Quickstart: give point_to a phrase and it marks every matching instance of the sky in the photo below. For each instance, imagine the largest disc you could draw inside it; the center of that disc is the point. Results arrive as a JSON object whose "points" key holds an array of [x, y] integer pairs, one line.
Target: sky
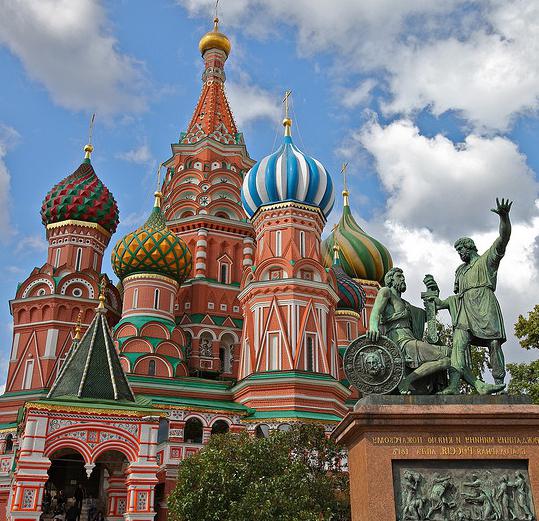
{"points": [[434, 105]]}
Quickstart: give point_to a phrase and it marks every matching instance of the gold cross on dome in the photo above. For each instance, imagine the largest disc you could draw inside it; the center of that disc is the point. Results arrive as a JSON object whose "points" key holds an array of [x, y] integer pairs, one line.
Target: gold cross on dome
{"points": [[343, 172], [91, 129], [216, 8], [287, 94]]}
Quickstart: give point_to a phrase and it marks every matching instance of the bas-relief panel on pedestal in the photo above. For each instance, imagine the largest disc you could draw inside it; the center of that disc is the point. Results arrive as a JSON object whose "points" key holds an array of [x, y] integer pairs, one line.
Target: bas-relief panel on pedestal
{"points": [[463, 490]]}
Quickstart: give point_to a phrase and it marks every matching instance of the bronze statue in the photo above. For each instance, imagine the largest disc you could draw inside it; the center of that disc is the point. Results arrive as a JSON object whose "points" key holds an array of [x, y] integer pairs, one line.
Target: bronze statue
{"points": [[474, 309]]}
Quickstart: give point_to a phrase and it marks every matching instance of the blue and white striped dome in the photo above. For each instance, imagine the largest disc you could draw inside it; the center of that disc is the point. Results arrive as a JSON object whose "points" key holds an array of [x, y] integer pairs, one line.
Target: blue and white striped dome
{"points": [[287, 175]]}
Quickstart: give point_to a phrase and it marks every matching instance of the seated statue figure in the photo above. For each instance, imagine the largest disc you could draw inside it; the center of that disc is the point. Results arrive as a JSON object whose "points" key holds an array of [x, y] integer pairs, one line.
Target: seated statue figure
{"points": [[404, 324]]}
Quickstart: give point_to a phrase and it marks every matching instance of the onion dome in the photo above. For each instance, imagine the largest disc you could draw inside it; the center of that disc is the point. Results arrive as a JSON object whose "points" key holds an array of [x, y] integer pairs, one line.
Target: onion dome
{"points": [[214, 40], [81, 196], [361, 256], [287, 175], [352, 295], [152, 248]]}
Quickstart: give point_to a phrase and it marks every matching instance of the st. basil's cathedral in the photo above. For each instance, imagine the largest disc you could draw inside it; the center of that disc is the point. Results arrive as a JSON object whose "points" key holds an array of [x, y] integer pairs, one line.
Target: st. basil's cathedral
{"points": [[230, 314]]}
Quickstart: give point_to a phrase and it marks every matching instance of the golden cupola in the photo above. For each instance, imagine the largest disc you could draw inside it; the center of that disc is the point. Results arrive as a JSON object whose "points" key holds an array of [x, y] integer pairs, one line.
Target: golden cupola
{"points": [[215, 39]]}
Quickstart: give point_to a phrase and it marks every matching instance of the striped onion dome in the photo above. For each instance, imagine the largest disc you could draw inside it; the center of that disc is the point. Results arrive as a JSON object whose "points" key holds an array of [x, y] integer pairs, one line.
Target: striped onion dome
{"points": [[351, 293], [287, 175], [361, 256], [81, 196], [152, 248]]}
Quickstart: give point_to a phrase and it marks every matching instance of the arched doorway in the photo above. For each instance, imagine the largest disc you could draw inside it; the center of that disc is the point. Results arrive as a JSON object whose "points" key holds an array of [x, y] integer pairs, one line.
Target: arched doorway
{"points": [[220, 427]]}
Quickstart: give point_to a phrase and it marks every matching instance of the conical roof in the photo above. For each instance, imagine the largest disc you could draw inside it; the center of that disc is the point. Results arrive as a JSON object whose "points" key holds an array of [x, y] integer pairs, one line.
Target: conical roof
{"points": [[93, 369]]}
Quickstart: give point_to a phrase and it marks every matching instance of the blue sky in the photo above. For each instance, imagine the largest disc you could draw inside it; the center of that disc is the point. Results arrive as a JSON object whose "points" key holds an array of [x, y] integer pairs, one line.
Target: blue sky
{"points": [[433, 104]]}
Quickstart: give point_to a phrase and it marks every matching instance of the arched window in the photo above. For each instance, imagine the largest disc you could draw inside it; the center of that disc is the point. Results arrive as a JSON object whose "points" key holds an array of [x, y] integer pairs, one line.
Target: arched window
{"points": [[262, 431], [151, 368], [278, 243], [193, 431], [9, 444], [78, 259], [135, 298], [162, 432], [219, 427], [156, 299], [223, 274], [302, 244]]}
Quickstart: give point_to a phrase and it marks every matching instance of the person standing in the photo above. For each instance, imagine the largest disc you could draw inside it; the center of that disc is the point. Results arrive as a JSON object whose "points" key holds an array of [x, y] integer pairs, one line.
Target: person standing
{"points": [[79, 496]]}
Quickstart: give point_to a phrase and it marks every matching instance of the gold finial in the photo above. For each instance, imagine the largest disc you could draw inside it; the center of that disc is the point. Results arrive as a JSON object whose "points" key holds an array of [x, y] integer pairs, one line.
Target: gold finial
{"points": [[78, 327], [102, 290], [287, 122], [336, 251], [345, 192], [158, 194], [89, 148], [216, 17]]}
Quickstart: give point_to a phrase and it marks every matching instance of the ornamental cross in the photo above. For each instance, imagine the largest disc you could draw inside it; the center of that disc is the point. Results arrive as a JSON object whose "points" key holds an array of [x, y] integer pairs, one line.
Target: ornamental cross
{"points": [[216, 8], [159, 175], [285, 101], [343, 172], [91, 129]]}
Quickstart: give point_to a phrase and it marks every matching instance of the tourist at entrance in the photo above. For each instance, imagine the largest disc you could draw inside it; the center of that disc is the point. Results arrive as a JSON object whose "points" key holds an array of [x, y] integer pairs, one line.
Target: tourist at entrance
{"points": [[79, 496], [72, 513], [61, 501]]}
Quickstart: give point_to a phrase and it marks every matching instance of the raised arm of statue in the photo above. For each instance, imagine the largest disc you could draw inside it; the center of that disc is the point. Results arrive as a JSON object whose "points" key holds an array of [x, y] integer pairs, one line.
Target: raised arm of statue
{"points": [[379, 305], [503, 208]]}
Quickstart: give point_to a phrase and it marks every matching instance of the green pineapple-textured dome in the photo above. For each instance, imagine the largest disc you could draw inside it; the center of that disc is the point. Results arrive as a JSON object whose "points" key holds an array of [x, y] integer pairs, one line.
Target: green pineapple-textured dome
{"points": [[361, 256], [81, 196], [152, 248]]}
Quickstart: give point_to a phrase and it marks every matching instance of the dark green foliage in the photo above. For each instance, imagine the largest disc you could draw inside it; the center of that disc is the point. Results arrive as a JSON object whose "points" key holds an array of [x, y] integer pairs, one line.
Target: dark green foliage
{"points": [[525, 376], [527, 329], [290, 476]]}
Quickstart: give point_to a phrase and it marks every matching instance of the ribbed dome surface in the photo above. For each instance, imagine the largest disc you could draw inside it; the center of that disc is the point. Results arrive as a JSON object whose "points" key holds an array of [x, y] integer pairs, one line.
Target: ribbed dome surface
{"points": [[361, 256], [352, 295], [83, 197], [287, 175], [152, 248]]}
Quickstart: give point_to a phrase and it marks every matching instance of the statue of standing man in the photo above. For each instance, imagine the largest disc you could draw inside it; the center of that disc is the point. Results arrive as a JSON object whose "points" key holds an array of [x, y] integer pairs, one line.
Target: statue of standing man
{"points": [[474, 309]]}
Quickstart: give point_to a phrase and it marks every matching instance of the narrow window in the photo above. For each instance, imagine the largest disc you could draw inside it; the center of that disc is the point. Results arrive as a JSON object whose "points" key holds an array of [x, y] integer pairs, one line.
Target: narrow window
{"points": [[172, 302], [28, 374], [156, 299], [310, 354], [278, 245], [9, 444], [57, 257], [78, 259], [95, 261], [274, 352], [348, 331], [224, 273], [302, 244], [135, 298], [151, 368]]}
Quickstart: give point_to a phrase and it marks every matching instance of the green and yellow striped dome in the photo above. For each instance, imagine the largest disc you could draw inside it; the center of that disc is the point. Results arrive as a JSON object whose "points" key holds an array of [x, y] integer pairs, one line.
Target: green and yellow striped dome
{"points": [[361, 256], [152, 248]]}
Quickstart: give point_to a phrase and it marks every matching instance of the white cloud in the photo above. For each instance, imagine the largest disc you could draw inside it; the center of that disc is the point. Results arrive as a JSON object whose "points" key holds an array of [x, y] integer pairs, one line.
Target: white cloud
{"points": [[478, 59], [447, 187], [31, 243], [250, 102], [8, 138], [356, 96], [67, 46], [141, 155]]}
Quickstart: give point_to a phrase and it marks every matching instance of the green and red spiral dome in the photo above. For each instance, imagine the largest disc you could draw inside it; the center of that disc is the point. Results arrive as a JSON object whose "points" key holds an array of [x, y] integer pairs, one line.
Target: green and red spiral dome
{"points": [[81, 197]]}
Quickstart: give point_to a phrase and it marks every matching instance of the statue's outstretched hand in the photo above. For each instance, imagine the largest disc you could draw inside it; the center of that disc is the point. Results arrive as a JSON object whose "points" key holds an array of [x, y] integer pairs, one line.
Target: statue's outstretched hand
{"points": [[373, 334], [503, 207], [430, 283]]}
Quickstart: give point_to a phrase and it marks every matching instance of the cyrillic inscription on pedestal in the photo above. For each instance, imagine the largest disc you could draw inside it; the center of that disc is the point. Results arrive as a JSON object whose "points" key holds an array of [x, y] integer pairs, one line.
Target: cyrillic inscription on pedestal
{"points": [[462, 490]]}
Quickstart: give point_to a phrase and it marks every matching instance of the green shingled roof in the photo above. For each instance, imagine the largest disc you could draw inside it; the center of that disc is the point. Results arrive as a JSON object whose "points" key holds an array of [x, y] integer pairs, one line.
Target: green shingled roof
{"points": [[92, 368]]}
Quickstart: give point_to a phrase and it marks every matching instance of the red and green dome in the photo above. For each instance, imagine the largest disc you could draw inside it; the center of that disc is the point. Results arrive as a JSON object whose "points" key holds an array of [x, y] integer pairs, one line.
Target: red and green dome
{"points": [[81, 197], [152, 248]]}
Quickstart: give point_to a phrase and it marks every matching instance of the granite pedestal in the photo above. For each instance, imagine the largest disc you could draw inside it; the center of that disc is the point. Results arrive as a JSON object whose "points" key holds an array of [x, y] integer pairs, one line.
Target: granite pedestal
{"points": [[442, 457]]}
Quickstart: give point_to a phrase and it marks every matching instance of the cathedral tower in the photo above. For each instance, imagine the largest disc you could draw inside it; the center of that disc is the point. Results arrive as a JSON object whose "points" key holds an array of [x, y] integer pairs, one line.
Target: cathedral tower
{"points": [[289, 359], [202, 205]]}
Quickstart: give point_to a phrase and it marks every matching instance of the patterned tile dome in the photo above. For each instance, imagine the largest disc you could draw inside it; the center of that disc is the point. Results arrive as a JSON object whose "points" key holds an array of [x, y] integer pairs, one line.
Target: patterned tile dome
{"points": [[152, 248], [352, 295], [287, 175], [82, 197], [361, 256]]}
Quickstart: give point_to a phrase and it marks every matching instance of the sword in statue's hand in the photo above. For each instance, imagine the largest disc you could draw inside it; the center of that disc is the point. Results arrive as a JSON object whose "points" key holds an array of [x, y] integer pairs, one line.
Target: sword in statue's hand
{"points": [[430, 308]]}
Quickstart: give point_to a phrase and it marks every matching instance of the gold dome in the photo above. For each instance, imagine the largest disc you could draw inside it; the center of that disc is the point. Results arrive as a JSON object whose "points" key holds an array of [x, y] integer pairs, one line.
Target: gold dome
{"points": [[215, 40]]}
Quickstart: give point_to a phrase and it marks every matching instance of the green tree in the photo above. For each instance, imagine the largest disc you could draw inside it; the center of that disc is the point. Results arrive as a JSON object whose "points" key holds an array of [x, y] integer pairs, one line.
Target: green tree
{"points": [[525, 376], [290, 476]]}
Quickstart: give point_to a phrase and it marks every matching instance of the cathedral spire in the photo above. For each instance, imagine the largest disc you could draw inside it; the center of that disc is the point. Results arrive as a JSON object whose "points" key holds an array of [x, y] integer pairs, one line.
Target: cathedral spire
{"points": [[212, 116]]}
